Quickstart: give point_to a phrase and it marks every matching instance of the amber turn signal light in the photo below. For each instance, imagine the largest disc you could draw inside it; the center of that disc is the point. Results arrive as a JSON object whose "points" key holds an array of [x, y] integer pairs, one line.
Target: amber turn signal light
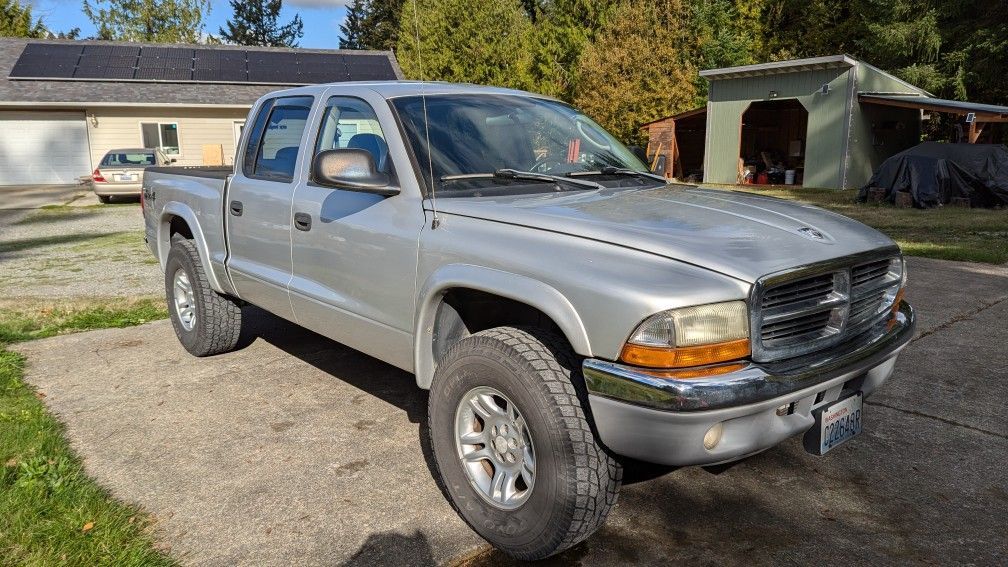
{"points": [[683, 357]]}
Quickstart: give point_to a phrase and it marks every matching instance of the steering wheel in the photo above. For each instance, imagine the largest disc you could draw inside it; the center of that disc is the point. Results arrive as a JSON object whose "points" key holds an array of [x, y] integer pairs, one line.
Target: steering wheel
{"points": [[546, 164]]}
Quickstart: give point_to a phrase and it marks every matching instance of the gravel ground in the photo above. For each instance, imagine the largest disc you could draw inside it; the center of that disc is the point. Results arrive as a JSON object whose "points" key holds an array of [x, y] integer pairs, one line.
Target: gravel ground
{"points": [[77, 252]]}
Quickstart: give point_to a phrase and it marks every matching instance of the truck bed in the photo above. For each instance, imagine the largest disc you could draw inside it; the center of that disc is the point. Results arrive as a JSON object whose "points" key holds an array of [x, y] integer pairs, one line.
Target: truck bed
{"points": [[207, 171]]}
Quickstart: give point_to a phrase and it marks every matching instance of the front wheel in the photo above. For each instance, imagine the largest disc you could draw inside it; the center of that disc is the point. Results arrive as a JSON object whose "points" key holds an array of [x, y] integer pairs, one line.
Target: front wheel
{"points": [[513, 445]]}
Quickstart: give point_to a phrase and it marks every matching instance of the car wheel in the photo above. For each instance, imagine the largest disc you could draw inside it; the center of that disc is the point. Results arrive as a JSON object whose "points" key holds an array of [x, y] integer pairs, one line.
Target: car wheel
{"points": [[515, 451], [205, 321], [105, 199]]}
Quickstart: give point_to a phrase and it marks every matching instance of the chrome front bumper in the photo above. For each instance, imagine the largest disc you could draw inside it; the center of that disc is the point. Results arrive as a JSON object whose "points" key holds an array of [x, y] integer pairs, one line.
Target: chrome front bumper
{"points": [[663, 420]]}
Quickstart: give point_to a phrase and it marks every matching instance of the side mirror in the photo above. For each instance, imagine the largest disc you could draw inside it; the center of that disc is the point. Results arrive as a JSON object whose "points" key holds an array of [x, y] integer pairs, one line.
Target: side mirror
{"points": [[352, 169]]}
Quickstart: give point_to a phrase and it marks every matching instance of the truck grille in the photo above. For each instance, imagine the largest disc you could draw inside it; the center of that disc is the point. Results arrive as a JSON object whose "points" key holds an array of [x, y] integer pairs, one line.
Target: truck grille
{"points": [[803, 311]]}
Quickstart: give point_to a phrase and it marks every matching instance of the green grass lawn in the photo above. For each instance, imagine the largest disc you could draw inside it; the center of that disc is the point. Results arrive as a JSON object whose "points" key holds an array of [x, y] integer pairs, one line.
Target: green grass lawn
{"points": [[51, 513], [946, 233]]}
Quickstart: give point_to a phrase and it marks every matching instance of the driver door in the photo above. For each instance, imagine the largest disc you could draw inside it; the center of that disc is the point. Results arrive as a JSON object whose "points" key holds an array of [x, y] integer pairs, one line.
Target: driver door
{"points": [[354, 253]]}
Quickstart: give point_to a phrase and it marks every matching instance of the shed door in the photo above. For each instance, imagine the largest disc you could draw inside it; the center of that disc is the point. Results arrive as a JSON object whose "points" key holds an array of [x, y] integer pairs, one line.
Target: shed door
{"points": [[43, 147]]}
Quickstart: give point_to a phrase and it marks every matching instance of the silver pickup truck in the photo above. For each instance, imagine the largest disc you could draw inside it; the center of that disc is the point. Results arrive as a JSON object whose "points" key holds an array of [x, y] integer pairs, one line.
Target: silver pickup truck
{"points": [[566, 309]]}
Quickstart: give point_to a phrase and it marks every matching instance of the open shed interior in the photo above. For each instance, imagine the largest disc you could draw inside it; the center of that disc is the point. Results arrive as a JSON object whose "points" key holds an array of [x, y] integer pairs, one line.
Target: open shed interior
{"points": [[691, 132], [774, 133]]}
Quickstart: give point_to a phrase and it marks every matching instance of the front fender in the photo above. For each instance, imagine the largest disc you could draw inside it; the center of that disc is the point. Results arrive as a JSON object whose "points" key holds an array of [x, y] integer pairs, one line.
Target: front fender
{"points": [[512, 286], [183, 211]]}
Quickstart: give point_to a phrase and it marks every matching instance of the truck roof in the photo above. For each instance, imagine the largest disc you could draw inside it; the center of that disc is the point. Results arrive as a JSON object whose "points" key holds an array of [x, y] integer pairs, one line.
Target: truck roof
{"points": [[394, 89]]}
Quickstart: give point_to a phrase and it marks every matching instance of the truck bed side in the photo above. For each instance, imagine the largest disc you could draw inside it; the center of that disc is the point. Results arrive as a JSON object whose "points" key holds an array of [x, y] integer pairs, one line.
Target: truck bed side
{"points": [[188, 201]]}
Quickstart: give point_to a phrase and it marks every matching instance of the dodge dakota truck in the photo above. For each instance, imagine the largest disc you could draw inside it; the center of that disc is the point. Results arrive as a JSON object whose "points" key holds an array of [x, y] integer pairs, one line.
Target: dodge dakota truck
{"points": [[566, 309]]}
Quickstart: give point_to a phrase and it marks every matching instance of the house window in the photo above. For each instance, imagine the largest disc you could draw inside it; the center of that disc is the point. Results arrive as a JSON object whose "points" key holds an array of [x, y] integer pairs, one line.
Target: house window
{"points": [[163, 135]]}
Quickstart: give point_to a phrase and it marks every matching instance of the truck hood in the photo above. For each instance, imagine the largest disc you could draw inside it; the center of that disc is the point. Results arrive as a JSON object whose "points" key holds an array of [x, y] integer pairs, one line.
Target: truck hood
{"points": [[738, 234]]}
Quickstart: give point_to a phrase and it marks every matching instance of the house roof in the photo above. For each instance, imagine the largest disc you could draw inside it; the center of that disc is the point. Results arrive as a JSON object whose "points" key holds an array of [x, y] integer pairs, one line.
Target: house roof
{"points": [[983, 112], [777, 67], [680, 116], [49, 92]]}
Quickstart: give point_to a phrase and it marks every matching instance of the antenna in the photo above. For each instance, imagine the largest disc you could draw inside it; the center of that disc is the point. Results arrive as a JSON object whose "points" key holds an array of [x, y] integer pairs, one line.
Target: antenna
{"points": [[435, 221]]}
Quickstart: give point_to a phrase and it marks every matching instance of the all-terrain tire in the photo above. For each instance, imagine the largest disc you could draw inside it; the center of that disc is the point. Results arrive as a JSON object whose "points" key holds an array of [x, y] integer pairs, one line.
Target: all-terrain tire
{"points": [[576, 480], [218, 318]]}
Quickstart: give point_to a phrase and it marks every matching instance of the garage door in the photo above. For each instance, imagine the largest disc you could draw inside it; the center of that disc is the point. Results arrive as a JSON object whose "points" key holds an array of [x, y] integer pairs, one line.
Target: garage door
{"points": [[43, 147]]}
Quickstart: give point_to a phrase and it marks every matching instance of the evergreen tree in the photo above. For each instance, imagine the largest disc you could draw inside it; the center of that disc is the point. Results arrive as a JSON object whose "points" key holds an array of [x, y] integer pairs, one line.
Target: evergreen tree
{"points": [[169, 21], [17, 21], [724, 33], [637, 70], [473, 41], [564, 28], [255, 22], [373, 24], [352, 28]]}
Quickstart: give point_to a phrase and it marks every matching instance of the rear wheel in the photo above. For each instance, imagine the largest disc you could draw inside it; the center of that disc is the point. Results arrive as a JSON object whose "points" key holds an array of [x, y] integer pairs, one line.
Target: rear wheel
{"points": [[513, 445], [106, 199], [205, 321]]}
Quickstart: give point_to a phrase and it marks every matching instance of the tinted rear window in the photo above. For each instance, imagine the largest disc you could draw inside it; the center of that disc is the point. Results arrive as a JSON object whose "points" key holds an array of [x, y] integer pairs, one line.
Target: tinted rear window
{"points": [[128, 159]]}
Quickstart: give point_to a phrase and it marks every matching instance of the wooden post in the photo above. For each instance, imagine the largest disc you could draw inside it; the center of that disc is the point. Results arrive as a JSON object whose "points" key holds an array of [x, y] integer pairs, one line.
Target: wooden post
{"points": [[975, 128], [673, 154]]}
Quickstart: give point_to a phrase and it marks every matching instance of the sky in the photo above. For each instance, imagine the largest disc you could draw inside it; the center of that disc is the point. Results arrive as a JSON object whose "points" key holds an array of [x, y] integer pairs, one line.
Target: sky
{"points": [[322, 18]]}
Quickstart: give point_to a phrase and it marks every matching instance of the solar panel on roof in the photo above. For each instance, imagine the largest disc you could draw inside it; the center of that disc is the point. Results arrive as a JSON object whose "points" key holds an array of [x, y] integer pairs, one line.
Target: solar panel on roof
{"points": [[104, 73], [165, 52], [181, 64], [52, 50], [165, 63], [236, 75], [164, 74], [111, 50], [43, 69]]}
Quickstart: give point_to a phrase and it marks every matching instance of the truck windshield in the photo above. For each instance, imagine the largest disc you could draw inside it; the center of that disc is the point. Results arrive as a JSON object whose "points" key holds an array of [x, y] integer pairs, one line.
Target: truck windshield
{"points": [[474, 136]]}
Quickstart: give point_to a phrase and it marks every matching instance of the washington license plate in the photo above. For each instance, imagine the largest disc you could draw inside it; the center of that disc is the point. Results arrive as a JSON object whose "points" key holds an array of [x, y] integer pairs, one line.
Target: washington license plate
{"points": [[835, 424]]}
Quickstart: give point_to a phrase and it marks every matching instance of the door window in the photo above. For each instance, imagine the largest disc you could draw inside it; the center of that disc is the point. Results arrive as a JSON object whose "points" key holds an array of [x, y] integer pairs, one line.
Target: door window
{"points": [[275, 138], [351, 123]]}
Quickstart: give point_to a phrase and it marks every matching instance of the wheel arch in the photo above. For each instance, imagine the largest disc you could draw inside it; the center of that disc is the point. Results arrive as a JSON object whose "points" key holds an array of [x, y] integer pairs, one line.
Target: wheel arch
{"points": [[510, 287], [177, 218]]}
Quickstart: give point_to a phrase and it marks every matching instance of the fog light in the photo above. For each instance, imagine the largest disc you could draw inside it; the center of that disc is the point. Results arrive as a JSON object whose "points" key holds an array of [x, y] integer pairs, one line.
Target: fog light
{"points": [[712, 437]]}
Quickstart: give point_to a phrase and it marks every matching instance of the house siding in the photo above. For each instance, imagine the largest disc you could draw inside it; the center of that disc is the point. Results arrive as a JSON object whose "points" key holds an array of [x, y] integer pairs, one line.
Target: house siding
{"points": [[120, 128]]}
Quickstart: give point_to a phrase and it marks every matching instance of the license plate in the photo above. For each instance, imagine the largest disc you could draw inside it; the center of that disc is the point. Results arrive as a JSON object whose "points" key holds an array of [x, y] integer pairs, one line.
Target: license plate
{"points": [[127, 178], [835, 424]]}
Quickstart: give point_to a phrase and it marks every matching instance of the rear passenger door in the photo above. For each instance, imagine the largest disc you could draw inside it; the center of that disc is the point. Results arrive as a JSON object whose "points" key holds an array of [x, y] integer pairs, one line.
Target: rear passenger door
{"points": [[259, 204]]}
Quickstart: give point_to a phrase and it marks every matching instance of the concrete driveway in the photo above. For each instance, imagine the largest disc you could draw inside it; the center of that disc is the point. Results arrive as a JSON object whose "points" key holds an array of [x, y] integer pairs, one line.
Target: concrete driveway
{"points": [[298, 450]]}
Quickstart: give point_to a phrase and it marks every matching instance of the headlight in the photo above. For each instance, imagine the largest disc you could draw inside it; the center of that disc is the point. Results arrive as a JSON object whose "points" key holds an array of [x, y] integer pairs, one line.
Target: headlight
{"points": [[691, 336], [894, 293]]}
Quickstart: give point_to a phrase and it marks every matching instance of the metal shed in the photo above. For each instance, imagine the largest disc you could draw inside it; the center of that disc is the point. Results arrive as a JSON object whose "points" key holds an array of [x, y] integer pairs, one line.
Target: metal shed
{"points": [[804, 115]]}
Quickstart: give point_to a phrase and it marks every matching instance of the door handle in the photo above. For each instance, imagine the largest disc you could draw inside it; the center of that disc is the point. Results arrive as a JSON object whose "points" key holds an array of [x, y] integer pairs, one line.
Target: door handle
{"points": [[302, 221], [236, 208]]}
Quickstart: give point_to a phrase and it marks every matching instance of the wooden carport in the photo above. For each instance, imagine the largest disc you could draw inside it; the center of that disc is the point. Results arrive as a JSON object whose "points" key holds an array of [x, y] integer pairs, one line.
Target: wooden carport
{"points": [[664, 141], [982, 113]]}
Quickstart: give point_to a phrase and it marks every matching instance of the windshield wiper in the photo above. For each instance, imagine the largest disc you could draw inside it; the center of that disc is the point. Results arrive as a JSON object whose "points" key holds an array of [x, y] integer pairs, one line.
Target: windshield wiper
{"points": [[525, 176], [609, 170]]}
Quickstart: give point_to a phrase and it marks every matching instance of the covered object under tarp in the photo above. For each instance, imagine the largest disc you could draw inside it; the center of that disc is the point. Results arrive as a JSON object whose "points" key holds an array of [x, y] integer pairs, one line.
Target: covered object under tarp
{"points": [[934, 173]]}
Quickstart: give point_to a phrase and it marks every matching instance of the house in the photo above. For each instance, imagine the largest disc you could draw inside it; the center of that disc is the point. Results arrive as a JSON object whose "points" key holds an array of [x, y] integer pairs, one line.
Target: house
{"points": [[63, 104], [823, 122]]}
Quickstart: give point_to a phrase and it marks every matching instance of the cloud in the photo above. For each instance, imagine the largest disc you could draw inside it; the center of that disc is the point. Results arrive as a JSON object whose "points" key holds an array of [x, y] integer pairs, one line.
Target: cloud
{"points": [[319, 3]]}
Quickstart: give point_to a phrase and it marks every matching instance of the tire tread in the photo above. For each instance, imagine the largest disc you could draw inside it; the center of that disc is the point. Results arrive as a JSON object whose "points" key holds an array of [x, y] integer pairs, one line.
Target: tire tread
{"points": [[597, 474], [219, 329]]}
